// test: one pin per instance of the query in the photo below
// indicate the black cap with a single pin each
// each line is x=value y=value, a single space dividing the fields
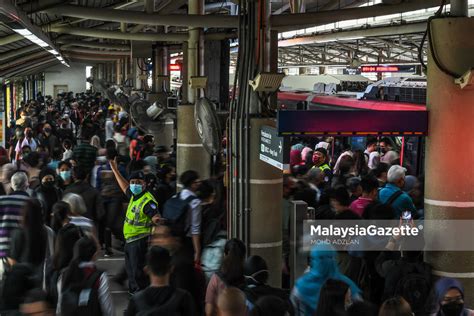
x=322 y=151
x=138 y=175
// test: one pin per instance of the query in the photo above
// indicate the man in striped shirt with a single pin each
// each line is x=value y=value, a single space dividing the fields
x=10 y=209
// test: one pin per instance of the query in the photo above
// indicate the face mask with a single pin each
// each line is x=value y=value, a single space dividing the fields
x=19 y=134
x=65 y=175
x=29 y=134
x=136 y=188
x=48 y=184
x=383 y=150
x=47 y=130
x=452 y=309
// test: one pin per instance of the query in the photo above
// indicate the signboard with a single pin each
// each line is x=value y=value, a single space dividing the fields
x=351 y=71
x=272 y=148
x=352 y=123
x=175 y=67
x=401 y=68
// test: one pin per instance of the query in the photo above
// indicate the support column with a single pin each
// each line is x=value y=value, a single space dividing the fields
x=191 y=155
x=450 y=195
x=266 y=187
x=459 y=8
x=266 y=181
x=190 y=151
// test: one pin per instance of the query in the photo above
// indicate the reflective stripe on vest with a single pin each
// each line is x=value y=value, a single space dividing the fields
x=324 y=167
x=136 y=222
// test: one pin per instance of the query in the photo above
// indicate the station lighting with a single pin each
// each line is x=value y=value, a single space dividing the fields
x=36 y=40
x=20 y=23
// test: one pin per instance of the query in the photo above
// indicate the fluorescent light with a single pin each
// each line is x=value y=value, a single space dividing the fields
x=53 y=51
x=60 y=58
x=41 y=43
x=23 y=32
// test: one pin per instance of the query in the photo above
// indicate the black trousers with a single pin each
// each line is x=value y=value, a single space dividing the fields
x=135 y=256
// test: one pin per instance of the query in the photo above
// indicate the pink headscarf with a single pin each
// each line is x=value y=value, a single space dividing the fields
x=304 y=152
x=295 y=158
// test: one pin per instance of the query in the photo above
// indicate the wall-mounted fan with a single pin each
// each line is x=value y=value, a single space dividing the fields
x=207 y=125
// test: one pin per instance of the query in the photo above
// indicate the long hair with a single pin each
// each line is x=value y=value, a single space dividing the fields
x=64 y=246
x=232 y=266
x=61 y=211
x=361 y=166
x=84 y=250
x=331 y=298
x=35 y=232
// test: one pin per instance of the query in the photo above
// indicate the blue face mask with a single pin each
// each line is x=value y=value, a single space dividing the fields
x=65 y=175
x=136 y=188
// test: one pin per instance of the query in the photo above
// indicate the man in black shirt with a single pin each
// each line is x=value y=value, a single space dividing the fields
x=160 y=298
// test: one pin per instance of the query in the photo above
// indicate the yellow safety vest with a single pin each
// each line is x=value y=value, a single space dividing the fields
x=324 y=167
x=137 y=224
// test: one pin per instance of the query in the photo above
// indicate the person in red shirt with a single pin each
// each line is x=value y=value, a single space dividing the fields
x=370 y=187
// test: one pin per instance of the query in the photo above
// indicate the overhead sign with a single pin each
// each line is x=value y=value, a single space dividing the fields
x=402 y=68
x=351 y=71
x=352 y=123
x=272 y=148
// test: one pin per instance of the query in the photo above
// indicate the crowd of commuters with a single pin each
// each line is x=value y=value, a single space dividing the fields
x=79 y=182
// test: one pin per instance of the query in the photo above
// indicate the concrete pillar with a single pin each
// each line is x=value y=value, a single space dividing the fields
x=184 y=74
x=194 y=7
x=459 y=8
x=118 y=71
x=190 y=151
x=266 y=190
x=165 y=62
x=191 y=154
x=450 y=194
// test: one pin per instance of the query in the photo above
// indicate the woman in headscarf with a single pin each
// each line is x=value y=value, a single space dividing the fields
x=323 y=266
x=449 y=299
x=48 y=192
x=295 y=158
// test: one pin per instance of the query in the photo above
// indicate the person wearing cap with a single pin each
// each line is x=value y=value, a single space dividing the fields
x=141 y=213
x=393 y=195
x=320 y=156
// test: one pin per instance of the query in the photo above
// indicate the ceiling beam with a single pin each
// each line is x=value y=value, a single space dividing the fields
x=288 y=22
x=108 y=46
x=10 y=39
x=355 y=34
x=395 y=45
x=97 y=52
x=143 y=18
x=17 y=52
x=149 y=37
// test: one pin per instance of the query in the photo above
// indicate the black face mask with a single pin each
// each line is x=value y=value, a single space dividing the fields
x=452 y=309
x=48 y=185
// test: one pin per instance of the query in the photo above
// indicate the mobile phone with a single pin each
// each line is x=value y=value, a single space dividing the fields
x=406 y=217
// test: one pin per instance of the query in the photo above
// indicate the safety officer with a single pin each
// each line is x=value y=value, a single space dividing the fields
x=320 y=157
x=142 y=213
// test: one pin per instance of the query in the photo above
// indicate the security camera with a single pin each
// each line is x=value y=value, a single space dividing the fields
x=267 y=82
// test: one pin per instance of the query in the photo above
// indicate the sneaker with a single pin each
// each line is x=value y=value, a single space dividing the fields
x=108 y=253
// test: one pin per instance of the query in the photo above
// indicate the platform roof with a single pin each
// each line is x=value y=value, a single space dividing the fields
x=108 y=25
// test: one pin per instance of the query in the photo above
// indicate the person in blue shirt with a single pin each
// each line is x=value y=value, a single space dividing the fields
x=400 y=202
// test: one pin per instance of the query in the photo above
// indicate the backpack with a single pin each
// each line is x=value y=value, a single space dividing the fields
x=82 y=298
x=170 y=307
x=175 y=211
x=415 y=286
